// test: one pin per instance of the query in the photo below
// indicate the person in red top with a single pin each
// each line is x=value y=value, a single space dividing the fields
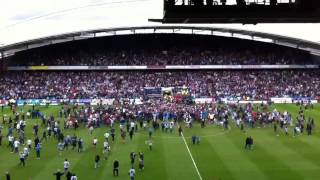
x=254 y=116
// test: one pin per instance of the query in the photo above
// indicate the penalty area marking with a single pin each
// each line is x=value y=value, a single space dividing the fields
x=194 y=163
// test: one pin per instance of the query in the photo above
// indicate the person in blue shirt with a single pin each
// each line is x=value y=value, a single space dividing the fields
x=150 y=131
x=10 y=131
x=38 y=149
x=193 y=139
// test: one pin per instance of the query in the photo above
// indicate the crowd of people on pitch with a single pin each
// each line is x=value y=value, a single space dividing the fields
x=160 y=57
x=150 y=117
x=130 y=119
x=51 y=128
x=245 y=85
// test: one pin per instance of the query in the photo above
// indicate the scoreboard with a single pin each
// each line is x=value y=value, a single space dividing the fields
x=240 y=11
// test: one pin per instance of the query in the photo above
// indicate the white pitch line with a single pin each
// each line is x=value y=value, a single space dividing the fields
x=175 y=137
x=194 y=163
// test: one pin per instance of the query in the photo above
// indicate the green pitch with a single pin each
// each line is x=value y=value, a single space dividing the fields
x=220 y=154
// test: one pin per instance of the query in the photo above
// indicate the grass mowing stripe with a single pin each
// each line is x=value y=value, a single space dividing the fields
x=178 y=164
x=155 y=161
x=76 y=159
x=108 y=164
x=121 y=152
x=270 y=165
x=234 y=158
x=307 y=151
x=223 y=156
x=194 y=163
x=285 y=152
x=205 y=153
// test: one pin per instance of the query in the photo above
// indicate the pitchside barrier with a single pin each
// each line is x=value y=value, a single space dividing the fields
x=171 y=67
x=43 y=102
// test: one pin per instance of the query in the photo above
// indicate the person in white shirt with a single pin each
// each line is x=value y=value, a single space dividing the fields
x=29 y=143
x=94 y=142
x=132 y=173
x=74 y=177
x=144 y=125
x=16 y=146
x=18 y=127
x=121 y=126
x=211 y=117
x=23 y=123
x=154 y=116
x=171 y=125
x=105 y=144
x=66 y=165
x=106 y=152
x=26 y=151
x=22 y=159
x=28 y=115
x=106 y=135
x=238 y=121
x=132 y=124
x=91 y=129
x=56 y=124
x=111 y=121
x=10 y=140
x=286 y=130
x=60 y=147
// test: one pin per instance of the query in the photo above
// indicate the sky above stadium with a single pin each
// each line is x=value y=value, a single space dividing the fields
x=24 y=20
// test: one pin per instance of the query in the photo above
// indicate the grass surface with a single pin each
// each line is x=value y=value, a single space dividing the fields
x=220 y=155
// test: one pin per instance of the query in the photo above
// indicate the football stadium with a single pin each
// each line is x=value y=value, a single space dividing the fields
x=158 y=101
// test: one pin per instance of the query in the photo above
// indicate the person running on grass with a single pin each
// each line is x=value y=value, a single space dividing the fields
x=1 y=136
x=69 y=175
x=286 y=130
x=96 y=161
x=123 y=136
x=94 y=142
x=22 y=159
x=150 y=131
x=132 y=173
x=91 y=129
x=38 y=150
x=60 y=147
x=74 y=141
x=131 y=133
x=26 y=151
x=106 y=136
x=141 y=161
x=132 y=158
x=8 y=177
x=105 y=144
x=58 y=174
x=66 y=165
x=150 y=144
x=113 y=133
x=16 y=144
x=116 y=166
x=10 y=141
x=180 y=130
x=249 y=143
x=80 y=145
x=74 y=177
x=106 y=152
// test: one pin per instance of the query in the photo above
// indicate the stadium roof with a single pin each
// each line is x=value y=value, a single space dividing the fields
x=33 y=21
x=312 y=47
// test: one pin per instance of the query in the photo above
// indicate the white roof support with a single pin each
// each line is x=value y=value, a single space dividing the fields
x=312 y=47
